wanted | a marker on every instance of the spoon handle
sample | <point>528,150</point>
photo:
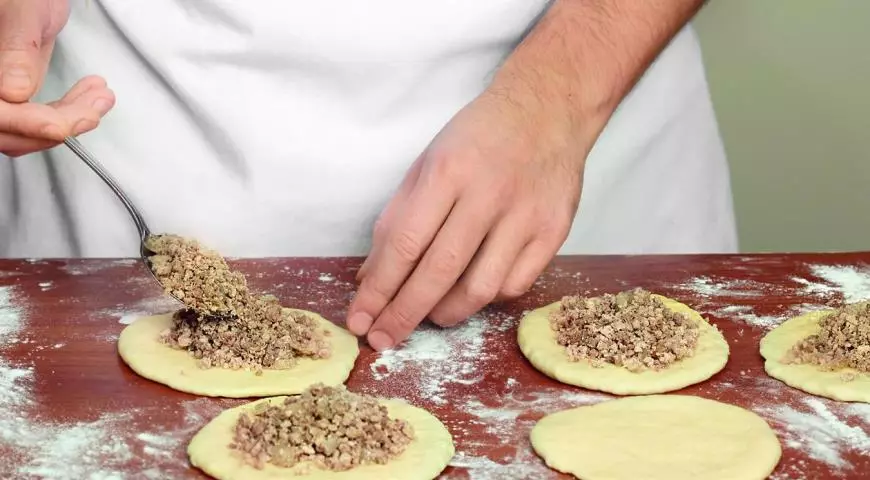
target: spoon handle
<point>90,161</point>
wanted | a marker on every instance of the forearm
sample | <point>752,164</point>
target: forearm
<point>584,56</point>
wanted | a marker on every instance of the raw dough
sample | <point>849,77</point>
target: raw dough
<point>810,378</point>
<point>424,458</point>
<point>668,437</point>
<point>141,349</point>
<point>538,343</point>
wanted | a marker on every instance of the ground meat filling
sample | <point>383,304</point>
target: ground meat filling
<point>328,427</point>
<point>631,329</point>
<point>199,277</point>
<point>843,341</point>
<point>227,325</point>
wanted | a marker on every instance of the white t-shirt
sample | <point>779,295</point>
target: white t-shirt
<point>277,128</point>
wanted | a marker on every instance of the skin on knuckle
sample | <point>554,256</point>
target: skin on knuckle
<point>480,292</point>
<point>406,246</point>
<point>374,289</point>
<point>514,288</point>
<point>18,124</point>
<point>444,263</point>
<point>402,319</point>
<point>446,167</point>
<point>17,41</point>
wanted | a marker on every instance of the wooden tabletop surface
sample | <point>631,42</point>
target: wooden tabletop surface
<point>69,408</point>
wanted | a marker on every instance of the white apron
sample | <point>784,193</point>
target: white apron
<point>281,128</point>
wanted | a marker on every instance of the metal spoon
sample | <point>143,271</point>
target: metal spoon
<point>145,253</point>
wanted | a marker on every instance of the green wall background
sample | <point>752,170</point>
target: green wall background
<point>790,81</point>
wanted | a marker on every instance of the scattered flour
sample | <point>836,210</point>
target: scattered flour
<point>13,379</point>
<point>108,447</point>
<point>526,466</point>
<point>325,277</point>
<point>501,420</point>
<point>707,287</point>
<point>88,267</point>
<point>820,432</point>
<point>438,357</point>
<point>850,281</point>
<point>510,423</point>
<point>744,313</point>
<point>127,314</point>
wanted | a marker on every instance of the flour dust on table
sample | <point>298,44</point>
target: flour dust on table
<point>108,446</point>
<point>614,343</point>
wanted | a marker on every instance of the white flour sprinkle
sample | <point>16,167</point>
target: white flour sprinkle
<point>325,277</point>
<point>95,266</point>
<point>127,314</point>
<point>744,314</point>
<point>13,379</point>
<point>10,315</point>
<point>707,287</point>
<point>504,423</point>
<point>821,434</point>
<point>438,356</point>
<point>45,286</point>
<point>853,283</point>
<point>526,467</point>
<point>501,420</point>
<point>106,448</point>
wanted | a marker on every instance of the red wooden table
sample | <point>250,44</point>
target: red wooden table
<point>69,408</point>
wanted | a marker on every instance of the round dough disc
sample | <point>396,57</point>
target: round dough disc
<point>810,378</point>
<point>538,343</point>
<point>425,457</point>
<point>141,349</point>
<point>668,437</point>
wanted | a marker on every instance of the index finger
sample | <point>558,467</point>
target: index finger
<point>399,253</point>
<point>444,262</point>
<point>33,120</point>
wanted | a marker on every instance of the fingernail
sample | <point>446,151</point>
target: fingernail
<point>380,341</point>
<point>15,79</point>
<point>102,105</point>
<point>52,132</point>
<point>359,323</point>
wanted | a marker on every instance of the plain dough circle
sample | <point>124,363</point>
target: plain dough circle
<point>424,458</point>
<point>141,349</point>
<point>667,437</point>
<point>809,378</point>
<point>538,343</point>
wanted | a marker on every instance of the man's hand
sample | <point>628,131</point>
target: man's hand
<point>489,203</point>
<point>479,216</point>
<point>27,34</point>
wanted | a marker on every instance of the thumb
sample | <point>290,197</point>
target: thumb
<point>21,28</point>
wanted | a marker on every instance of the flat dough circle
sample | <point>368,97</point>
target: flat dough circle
<point>538,343</point>
<point>146,355</point>
<point>668,437</point>
<point>424,458</point>
<point>809,378</point>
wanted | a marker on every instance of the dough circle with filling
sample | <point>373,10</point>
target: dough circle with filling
<point>537,341</point>
<point>424,458</point>
<point>810,378</point>
<point>141,349</point>
<point>667,437</point>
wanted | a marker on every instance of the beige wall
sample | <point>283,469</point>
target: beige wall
<point>791,84</point>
